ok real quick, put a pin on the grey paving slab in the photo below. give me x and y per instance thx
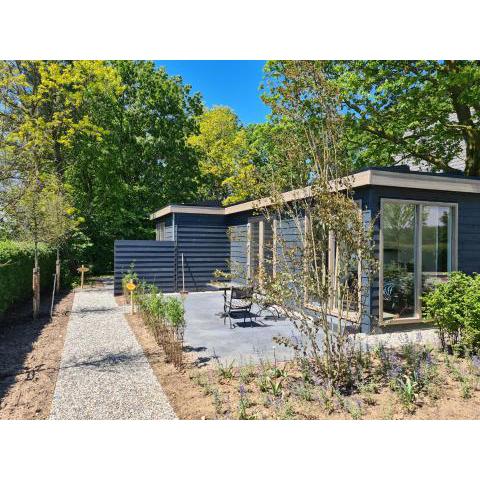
(104, 373)
(207, 335)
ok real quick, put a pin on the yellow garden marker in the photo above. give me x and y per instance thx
(82, 270)
(131, 287)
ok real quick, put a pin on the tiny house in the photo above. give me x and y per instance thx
(426, 225)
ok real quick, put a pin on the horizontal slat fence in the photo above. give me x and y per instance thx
(153, 261)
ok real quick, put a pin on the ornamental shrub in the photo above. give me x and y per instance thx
(471, 324)
(175, 312)
(454, 307)
(16, 275)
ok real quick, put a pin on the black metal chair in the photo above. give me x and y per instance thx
(239, 302)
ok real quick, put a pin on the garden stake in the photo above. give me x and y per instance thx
(131, 287)
(82, 270)
(53, 294)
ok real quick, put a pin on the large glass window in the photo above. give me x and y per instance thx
(398, 221)
(417, 252)
(436, 245)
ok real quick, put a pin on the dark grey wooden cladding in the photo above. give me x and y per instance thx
(468, 224)
(238, 250)
(154, 262)
(204, 243)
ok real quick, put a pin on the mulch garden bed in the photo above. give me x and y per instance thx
(30, 354)
(227, 391)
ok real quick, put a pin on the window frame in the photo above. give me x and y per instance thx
(160, 231)
(419, 204)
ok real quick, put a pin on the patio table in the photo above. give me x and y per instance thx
(224, 287)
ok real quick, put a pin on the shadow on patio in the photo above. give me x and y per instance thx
(207, 334)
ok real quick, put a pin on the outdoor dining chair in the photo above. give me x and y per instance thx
(238, 302)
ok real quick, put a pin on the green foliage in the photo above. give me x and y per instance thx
(112, 135)
(243, 404)
(142, 162)
(305, 392)
(407, 388)
(164, 316)
(175, 312)
(246, 374)
(42, 211)
(454, 307)
(424, 111)
(225, 370)
(17, 260)
(226, 170)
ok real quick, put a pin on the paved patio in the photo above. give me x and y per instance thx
(208, 336)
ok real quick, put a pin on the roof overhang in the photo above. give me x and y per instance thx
(382, 178)
(187, 209)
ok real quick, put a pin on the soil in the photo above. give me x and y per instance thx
(198, 391)
(187, 399)
(30, 354)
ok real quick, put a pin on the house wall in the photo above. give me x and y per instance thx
(203, 241)
(468, 225)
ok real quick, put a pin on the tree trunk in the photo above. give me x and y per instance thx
(36, 285)
(472, 152)
(57, 271)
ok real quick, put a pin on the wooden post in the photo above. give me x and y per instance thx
(53, 294)
(261, 257)
(131, 288)
(274, 253)
(82, 271)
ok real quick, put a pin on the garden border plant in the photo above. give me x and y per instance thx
(164, 316)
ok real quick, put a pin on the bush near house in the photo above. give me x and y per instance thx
(17, 259)
(454, 307)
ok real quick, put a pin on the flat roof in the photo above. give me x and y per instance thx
(372, 176)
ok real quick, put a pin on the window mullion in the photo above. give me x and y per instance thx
(418, 261)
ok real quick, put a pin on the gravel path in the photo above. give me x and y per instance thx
(104, 373)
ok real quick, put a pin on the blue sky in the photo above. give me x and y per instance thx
(233, 83)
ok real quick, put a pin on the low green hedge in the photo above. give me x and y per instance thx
(16, 276)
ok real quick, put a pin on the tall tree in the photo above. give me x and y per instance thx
(421, 111)
(141, 163)
(224, 156)
(41, 115)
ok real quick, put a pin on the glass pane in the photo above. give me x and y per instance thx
(436, 245)
(398, 221)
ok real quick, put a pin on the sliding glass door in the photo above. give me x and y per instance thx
(399, 260)
(417, 250)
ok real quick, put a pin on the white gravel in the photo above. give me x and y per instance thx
(104, 373)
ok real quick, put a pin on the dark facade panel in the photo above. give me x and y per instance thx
(468, 224)
(204, 243)
(153, 261)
